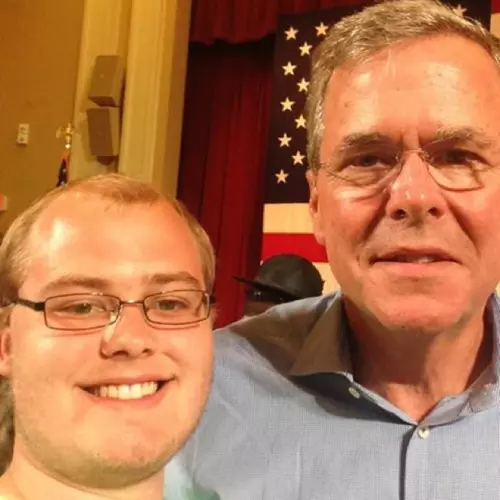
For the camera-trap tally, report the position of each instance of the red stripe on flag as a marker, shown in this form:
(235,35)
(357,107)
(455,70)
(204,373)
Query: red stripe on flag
(304,245)
(495,6)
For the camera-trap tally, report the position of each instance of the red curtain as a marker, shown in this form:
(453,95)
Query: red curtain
(221,176)
(223,156)
(238,21)
(228,90)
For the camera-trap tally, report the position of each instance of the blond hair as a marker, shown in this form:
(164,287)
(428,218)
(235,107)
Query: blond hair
(115,188)
(14,255)
(356,38)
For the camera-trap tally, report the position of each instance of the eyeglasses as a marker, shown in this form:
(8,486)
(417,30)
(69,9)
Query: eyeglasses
(87,311)
(452,169)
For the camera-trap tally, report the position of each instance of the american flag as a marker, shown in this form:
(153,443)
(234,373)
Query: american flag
(287,226)
(62,175)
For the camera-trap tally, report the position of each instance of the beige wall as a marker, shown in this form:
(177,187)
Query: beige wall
(39,52)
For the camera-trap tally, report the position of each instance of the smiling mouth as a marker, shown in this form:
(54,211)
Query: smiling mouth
(126,391)
(414,259)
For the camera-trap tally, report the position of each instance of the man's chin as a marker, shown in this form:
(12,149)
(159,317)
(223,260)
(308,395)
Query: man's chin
(419,313)
(117,470)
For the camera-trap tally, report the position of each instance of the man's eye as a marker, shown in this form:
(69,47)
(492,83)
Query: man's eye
(170,305)
(81,308)
(454,157)
(370,161)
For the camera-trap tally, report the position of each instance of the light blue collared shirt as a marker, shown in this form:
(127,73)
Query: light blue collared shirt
(286,421)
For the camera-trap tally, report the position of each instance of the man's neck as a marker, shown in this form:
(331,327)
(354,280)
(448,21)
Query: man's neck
(24,481)
(415,375)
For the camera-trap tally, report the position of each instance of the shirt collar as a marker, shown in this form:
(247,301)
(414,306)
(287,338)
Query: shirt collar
(486,392)
(326,348)
(493,322)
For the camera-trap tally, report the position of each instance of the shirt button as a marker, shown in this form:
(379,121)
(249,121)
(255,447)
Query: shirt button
(487,389)
(354,392)
(423,432)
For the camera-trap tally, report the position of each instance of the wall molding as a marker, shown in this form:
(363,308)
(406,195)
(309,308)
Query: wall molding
(154,96)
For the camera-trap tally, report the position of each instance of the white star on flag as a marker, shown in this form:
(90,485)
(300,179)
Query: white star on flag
(459,10)
(290,33)
(305,49)
(298,158)
(281,177)
(286,105)
(303,85)
(321,29)
(284,140)
(300,121)
(289,68)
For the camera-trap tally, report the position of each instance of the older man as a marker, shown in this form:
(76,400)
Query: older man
(389,389)
(106,340)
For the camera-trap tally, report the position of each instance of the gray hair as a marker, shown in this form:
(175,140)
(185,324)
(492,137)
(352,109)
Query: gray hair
(356,38)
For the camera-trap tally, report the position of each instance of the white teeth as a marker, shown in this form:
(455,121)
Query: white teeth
(124,391)
(425,259)
(135,391)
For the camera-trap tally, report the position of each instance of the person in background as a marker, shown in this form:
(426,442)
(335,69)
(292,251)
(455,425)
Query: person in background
(390,388)
(280,279)
(105,341)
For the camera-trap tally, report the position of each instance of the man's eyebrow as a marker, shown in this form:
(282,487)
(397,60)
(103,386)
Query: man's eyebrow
(181,277)
(464,134)
(75,280)
(445,134)
(103,285)
(363,139)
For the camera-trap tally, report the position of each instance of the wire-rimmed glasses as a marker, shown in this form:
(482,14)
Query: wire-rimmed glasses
(452,169)
(88,311)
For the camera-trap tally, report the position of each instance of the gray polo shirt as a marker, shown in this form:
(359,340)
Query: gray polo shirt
(286,421)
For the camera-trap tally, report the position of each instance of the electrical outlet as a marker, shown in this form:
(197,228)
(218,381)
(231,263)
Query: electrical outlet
(23,133)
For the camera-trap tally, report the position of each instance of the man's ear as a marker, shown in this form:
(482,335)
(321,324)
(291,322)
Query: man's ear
(314,208)
(5,351)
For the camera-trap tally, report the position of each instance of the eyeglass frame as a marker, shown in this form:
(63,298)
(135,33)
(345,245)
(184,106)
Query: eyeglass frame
(40,306)
(400,160)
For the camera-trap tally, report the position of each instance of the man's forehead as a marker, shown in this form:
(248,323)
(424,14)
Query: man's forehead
(432,92)
(449,56)
(58,273)
(449,45)
(122,237)
(73,213)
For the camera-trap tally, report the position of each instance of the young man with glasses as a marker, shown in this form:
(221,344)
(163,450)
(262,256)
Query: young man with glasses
(389,389)
(106,340)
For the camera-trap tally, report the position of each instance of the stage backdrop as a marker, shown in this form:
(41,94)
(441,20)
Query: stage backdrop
(228,131)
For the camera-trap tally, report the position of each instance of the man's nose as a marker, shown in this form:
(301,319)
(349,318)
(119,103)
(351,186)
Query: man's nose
(414,194)
(130,335)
